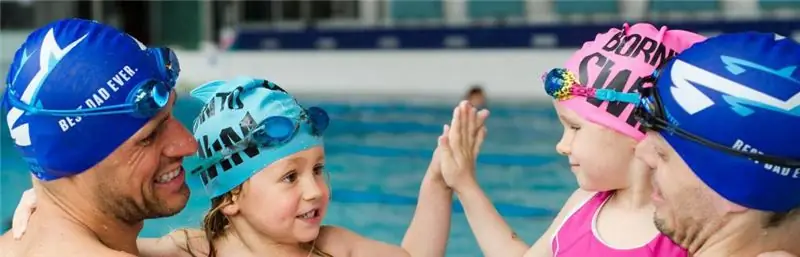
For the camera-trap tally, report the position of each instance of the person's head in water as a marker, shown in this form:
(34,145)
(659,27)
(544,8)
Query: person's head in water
(600,136)
(90,110)
(722,138)
(261,161)
(476,97)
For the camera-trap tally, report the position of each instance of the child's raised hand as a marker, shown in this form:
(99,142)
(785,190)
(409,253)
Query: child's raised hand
(460,145)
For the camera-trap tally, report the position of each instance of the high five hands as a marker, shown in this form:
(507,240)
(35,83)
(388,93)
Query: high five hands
(460,144)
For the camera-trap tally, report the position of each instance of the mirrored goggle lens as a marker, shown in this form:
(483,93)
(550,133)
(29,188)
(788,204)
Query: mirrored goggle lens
(150,98)
(277,128)
(319,119)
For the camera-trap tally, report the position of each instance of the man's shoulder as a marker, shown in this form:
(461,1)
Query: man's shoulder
(92,250)
(5,243)
(46,246)
(76,250)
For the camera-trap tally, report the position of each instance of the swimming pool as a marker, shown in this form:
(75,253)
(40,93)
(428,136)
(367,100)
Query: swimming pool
(377,153)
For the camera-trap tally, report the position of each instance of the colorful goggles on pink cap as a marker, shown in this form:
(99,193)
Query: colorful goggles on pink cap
(562,84)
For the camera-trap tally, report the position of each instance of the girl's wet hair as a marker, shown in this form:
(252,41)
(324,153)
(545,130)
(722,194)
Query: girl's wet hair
(215,225)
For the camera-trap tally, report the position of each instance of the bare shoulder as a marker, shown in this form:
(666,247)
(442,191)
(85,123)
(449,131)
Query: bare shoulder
(66,248)
(178,243)
(186,234)
(6,243)
(334,240)
(577,197)
(343,242)
(5,239)
(334,231)
(574,201)
(542,246)
(105,252)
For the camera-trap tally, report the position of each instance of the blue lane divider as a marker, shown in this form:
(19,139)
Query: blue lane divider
(484,158)
(499,111)
(404,127)
(349,127)
(505,209)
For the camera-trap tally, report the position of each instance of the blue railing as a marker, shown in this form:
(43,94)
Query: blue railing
(522,36)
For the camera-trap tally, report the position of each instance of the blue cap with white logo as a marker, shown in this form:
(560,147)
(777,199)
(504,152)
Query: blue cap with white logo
(740,91)
(78,89)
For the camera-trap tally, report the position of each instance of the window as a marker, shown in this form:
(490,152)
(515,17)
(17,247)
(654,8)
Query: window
(258,11)
(17,15)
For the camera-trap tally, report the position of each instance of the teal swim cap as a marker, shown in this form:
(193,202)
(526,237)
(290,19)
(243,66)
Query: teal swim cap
(245,125)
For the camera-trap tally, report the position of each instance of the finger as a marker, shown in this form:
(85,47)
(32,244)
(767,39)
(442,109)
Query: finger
(479,141)
(444,147)
(455,127)
(482,116)
(472,126)
(481,127)
(464,118)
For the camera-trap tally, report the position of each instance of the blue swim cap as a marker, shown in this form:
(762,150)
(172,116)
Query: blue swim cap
(245,125)
(741,91)
(67,67)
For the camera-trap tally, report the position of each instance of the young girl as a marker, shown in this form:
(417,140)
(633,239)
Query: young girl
(261,160)
(611,213)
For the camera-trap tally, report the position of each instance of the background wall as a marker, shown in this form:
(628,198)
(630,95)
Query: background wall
(430,48)
(505,73)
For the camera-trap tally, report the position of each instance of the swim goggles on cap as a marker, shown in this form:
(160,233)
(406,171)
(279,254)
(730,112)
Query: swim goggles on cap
(274,131)
(562,84)
(651,115)
(144,101)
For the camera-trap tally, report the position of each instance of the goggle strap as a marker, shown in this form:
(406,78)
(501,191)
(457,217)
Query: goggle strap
(114,109)
(664,125)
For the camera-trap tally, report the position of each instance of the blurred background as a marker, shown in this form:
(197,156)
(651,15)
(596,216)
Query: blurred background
(390,72)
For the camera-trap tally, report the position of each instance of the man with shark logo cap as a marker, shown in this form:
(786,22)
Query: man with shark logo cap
(90,110)
(722,138)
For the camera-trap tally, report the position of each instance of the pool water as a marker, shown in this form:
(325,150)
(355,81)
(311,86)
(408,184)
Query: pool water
(377,153)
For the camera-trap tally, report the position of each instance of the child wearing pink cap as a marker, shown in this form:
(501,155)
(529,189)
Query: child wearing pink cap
(611,214)
(599,139)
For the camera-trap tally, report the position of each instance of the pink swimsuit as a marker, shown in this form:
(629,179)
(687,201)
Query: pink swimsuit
(577,236)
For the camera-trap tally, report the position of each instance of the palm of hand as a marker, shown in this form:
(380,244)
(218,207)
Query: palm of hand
(459,145)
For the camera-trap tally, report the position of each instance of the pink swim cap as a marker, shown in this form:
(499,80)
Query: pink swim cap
(616,60)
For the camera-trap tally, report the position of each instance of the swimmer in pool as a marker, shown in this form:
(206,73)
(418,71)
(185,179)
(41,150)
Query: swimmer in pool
(723,145)
(476,97)
(97,183)
(611,213)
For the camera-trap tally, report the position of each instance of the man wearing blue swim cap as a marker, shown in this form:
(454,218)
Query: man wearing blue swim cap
(89,108)
(722,120)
